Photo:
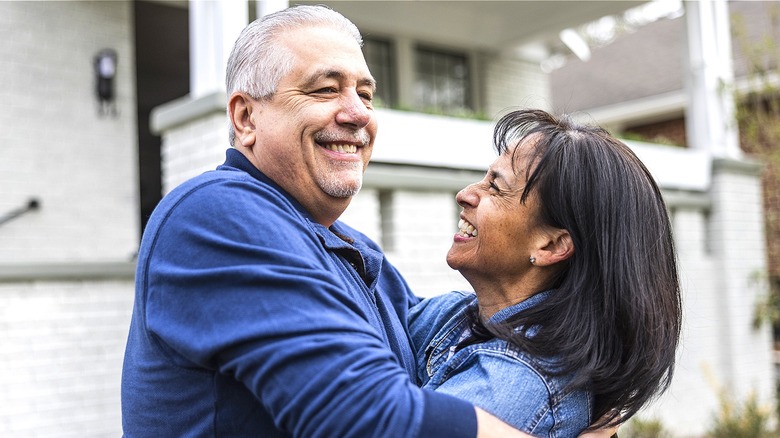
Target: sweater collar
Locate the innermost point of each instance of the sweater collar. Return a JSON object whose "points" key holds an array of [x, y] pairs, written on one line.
{"points": [[338, 238]]}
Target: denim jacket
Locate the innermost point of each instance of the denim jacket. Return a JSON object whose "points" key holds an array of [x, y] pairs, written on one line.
{"points": [[493, 375]]}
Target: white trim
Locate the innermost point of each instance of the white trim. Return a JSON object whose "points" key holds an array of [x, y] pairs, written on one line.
{"points": [[401, 177], [186, 109], [214, 27], [656, 106], [67, 271]]}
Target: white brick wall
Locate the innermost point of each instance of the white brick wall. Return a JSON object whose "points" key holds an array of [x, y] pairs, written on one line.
{"points": [[363, 214], [512, 83], [191, 149], [738, 243], [61, 361], [54, 146], [697, 369], [424, 223], [63, 341]]}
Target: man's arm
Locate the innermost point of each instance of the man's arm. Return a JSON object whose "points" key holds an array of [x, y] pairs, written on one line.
{"points": [[257, 300]]}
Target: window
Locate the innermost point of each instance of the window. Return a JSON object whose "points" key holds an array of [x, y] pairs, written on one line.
{"points": [[381, 62], [442, 81]]}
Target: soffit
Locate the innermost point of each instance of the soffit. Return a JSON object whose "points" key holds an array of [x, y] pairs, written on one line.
{"points": [[483, 25]]}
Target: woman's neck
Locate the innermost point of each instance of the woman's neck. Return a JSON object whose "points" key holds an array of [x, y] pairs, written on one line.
{"points": [[492, 297]]}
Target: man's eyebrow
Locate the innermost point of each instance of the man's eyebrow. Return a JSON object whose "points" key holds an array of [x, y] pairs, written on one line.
{"points": [[312, 79]]}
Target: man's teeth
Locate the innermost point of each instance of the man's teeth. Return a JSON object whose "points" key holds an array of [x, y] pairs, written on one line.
{"points": [[466, 229], [342, 148]]}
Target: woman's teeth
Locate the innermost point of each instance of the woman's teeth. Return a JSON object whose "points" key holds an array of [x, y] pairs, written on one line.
{"points": [[466, 229]]}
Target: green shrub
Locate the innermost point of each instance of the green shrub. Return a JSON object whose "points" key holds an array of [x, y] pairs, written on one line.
{"points": [[638, 428], [741, 420]]}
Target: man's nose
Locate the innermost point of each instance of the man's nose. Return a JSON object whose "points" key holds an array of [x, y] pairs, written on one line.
{"points": [[354, 111]]}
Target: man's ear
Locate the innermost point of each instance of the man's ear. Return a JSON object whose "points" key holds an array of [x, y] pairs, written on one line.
{"points": [[557, 246], [241, 109]]}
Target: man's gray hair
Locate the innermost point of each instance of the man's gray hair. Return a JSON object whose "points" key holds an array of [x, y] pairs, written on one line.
{"points": [[258, 62]]}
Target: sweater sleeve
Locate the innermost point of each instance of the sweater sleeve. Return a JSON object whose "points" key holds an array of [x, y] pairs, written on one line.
{"points": [[236, 285]]}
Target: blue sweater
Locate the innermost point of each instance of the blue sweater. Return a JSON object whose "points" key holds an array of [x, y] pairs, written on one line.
{"points": [[250, 319]]}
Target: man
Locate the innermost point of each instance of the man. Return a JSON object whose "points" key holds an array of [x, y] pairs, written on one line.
{"points": [[256, 312]]}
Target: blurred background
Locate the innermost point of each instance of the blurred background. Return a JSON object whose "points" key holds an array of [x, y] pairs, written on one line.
{"points": [[107, 105]]}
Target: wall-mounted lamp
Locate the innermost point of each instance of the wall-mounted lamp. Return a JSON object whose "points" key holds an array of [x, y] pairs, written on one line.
{"points": [[105, 71]]}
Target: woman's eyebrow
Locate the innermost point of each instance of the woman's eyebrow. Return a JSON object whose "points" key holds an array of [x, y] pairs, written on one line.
{"points": [[496, 175]]}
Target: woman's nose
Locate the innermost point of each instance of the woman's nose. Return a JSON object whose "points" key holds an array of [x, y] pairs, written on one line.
{"points": [[467, 197]]}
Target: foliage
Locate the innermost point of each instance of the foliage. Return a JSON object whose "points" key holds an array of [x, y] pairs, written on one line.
{"points": [[758, 114], [635, 136], [458, 113], [743, 420], [639, 428], [767, 309], [758, 104]]}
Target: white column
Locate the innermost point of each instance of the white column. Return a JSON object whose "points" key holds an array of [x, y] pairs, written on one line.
{"points": [[404, 55], [710, 119], [214, 27], [265, 7]]}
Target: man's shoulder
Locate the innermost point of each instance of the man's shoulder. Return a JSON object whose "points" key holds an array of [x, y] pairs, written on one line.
{"points": [[226, 203], [223, 190], [216, 180]]}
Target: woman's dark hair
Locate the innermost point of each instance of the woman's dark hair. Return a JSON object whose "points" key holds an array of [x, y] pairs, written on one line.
{"points": [[614, 319]]}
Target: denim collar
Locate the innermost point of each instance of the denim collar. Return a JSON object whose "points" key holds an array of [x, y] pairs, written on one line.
{"points": [[507, 312]]}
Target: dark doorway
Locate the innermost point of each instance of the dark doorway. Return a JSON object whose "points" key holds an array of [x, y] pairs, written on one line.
{"points": [[162, 75]]}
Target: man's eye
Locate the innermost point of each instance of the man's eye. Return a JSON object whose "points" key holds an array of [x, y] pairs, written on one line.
{"points": [[326, 90], [493, 186], [366, 96]]}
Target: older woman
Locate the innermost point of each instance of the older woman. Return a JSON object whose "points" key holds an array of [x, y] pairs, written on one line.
{"points": [[576, 312]]}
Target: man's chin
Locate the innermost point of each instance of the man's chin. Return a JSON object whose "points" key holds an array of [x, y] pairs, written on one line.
{"points": [[342, 190]]}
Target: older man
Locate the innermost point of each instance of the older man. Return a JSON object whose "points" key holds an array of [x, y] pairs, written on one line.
{"points": [[257, 313]]}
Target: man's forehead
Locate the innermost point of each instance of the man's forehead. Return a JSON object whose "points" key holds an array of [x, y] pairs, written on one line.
{"points": [[326, 53]]}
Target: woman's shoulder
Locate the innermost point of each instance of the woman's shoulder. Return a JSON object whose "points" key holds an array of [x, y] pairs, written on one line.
{"points": [[489, 374], [434, 317]]}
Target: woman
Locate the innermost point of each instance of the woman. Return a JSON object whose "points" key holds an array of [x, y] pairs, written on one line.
{"points": [[576, 313]]}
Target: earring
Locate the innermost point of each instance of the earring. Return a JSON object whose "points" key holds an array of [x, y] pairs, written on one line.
{"points": [[532, 260]]}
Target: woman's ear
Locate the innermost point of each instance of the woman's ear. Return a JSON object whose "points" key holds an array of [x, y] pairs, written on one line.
{"points": [[241, 109], [556, 247]]}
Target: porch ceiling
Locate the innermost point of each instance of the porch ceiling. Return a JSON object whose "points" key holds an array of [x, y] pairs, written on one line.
{"points": [[486, 25]]}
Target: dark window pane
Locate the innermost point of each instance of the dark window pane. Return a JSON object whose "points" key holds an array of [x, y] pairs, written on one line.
{"points": [[442, 80], [381, 62]]}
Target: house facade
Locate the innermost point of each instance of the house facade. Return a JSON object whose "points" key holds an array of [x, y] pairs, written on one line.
{"points": [[93, 138], [643, 85]]}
